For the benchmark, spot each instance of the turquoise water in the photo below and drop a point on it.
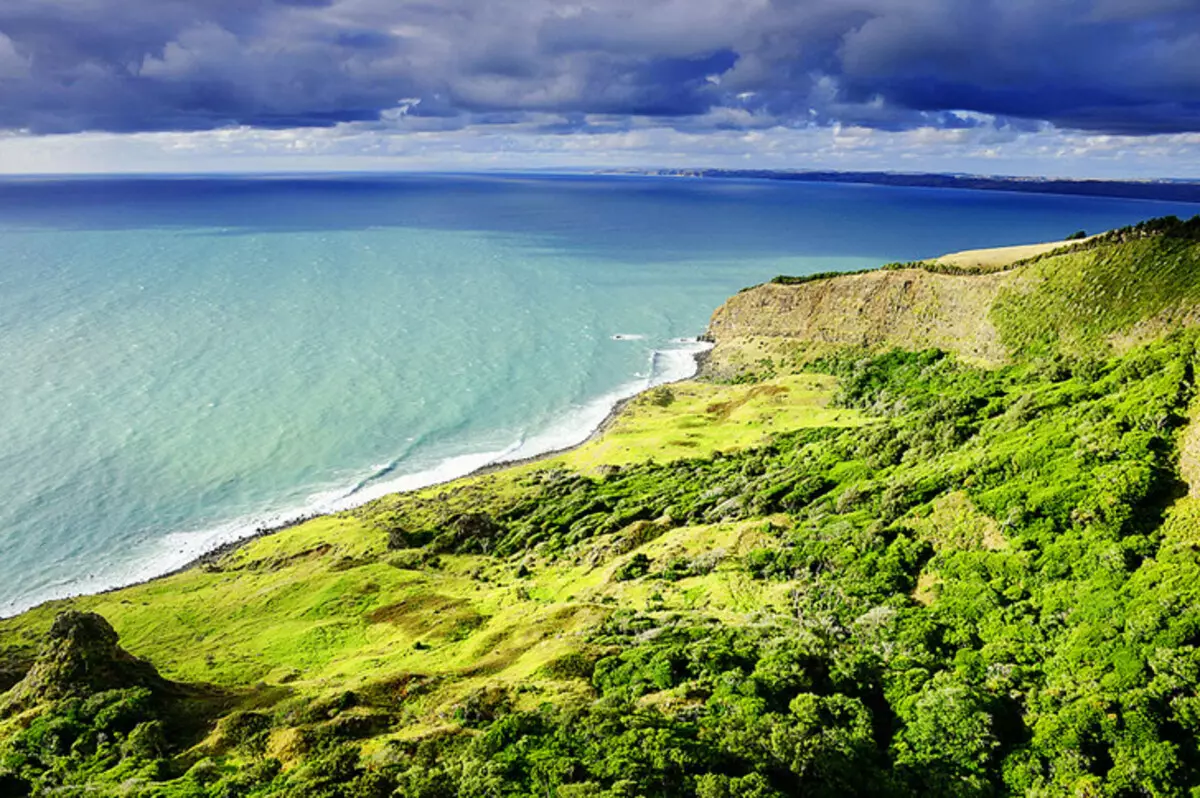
(186, 360)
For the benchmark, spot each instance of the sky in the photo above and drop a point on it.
(1070, 88)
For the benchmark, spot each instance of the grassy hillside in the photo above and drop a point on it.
(1109, 291)
(839, 567)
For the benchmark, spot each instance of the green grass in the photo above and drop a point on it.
(1081, 300)
(298, 605)
(703, 418)
(890, 574)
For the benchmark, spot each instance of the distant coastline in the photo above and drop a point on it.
(1157, 190)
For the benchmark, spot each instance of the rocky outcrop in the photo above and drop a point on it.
(911, 308)
(80, 657)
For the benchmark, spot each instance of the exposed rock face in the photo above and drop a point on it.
(79, 657)
(911, 308)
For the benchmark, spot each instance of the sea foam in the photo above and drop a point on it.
(672, 363)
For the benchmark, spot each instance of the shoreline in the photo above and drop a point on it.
(215, 554)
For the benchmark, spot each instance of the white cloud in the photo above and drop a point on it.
(403, 143)
(13, 65)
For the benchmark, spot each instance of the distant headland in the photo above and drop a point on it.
(1163, 189)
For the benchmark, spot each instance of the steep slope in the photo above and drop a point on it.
(910, 308)
(1116, 289)
(861, 566)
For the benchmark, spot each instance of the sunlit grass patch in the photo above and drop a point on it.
(702, 418)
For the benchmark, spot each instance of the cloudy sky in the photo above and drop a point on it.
(1060, 87)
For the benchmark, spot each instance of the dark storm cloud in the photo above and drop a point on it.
(1124, 66)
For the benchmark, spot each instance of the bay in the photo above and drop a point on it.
(183, 360)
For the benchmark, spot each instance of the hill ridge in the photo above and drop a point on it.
(982, 315)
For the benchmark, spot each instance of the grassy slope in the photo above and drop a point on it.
(1087, 301)
(301, 607)
(300, 617)
(697, 418)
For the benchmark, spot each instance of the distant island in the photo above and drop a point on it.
(924, 530)
(1164, 190)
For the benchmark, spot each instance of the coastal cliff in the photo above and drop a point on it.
(919, 532)
(1099, 295)
(909, 308)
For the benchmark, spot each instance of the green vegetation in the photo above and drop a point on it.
(785, 279)
(1077, 300)
(870, 572)
(694, 418)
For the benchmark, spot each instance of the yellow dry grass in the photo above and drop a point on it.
(999, 257)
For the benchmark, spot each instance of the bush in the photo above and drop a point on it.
(662, 396)
(637, 566)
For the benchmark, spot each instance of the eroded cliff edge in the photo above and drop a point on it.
(907, 308)
(1092, 297)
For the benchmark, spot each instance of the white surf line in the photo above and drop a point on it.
(178, 549)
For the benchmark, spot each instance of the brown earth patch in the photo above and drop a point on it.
(1189, 452)
(954, 523)
(926, 591)
(397, 689)
(430, 613)
(278, 562)
(722, 410)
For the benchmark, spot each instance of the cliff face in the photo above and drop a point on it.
(1100, 297)
(909, 308)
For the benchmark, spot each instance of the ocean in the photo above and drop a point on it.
(184, 360)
